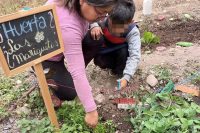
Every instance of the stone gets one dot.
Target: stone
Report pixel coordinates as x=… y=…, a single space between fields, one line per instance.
x=100 y=98
x=11 y=120
x=18 y=82
x=160 y=18
x=171 y=19
x=23 y=110
x=147 y=52
x=161 y=48
x=111 y=97
x=151 y=80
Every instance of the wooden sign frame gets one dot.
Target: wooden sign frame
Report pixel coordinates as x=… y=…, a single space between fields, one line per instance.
x=22 y=14
x=36 y=63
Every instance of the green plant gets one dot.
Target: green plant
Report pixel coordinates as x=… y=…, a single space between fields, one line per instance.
x=72 y=115
x=107 y=127
x=196 y=80
x=35 y=126
x=3 y=113
x=11 y=89
x=149 y=38
x=166 y=113
x=162 y=73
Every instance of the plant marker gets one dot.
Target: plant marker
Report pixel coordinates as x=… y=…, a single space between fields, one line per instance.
x=118 y=84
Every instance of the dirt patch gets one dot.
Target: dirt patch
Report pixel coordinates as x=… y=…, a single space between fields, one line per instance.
x=177 y=31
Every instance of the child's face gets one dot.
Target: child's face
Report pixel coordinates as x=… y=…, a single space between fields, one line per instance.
x=118 y=29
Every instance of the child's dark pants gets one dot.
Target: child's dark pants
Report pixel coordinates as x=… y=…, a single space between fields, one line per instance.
x=113 y=57
x=115 y=60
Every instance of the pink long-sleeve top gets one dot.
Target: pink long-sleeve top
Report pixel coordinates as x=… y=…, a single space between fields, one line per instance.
x=74 y=28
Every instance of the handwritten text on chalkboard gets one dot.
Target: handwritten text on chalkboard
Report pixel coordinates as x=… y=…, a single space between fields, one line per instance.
x=25 y=39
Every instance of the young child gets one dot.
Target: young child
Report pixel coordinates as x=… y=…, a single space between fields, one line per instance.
x=121 y=50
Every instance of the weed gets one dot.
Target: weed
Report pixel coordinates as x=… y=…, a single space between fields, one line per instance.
x=196 y=80
x=10 y=90
x=3 y=113
x=35 y=126
x=36 y=102
x=162 y=73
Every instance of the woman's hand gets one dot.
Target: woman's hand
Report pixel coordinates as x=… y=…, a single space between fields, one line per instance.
x=96 y=33
x=91 y=118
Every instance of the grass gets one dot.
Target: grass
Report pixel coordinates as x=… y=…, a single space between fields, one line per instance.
x=10 y=91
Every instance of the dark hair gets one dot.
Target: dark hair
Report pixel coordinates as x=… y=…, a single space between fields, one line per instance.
x=123 y=12
x=75 y=5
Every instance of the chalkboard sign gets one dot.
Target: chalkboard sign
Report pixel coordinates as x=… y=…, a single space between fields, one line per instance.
x=29 y=37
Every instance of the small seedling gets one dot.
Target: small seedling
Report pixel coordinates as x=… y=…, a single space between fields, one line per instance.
x=163 y=73
x=149 y=39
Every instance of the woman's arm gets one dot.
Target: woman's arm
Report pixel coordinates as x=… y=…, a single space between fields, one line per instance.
x=72 y=38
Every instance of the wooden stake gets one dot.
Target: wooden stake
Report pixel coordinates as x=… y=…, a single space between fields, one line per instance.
x=46 y=94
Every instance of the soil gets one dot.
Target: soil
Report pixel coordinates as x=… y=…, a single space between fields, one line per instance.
x=181 y=31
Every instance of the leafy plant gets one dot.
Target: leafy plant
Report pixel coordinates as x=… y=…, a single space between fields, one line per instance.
x=166 y=113
x=72 y=115
x=35 y=126
x=149 y=38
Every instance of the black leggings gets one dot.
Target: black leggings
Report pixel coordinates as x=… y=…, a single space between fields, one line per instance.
x=58 y=73
x=62 y=79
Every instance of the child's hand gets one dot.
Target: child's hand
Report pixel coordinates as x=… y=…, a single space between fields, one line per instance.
x=96 y=33
x=122 y=83
x=91 y=119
